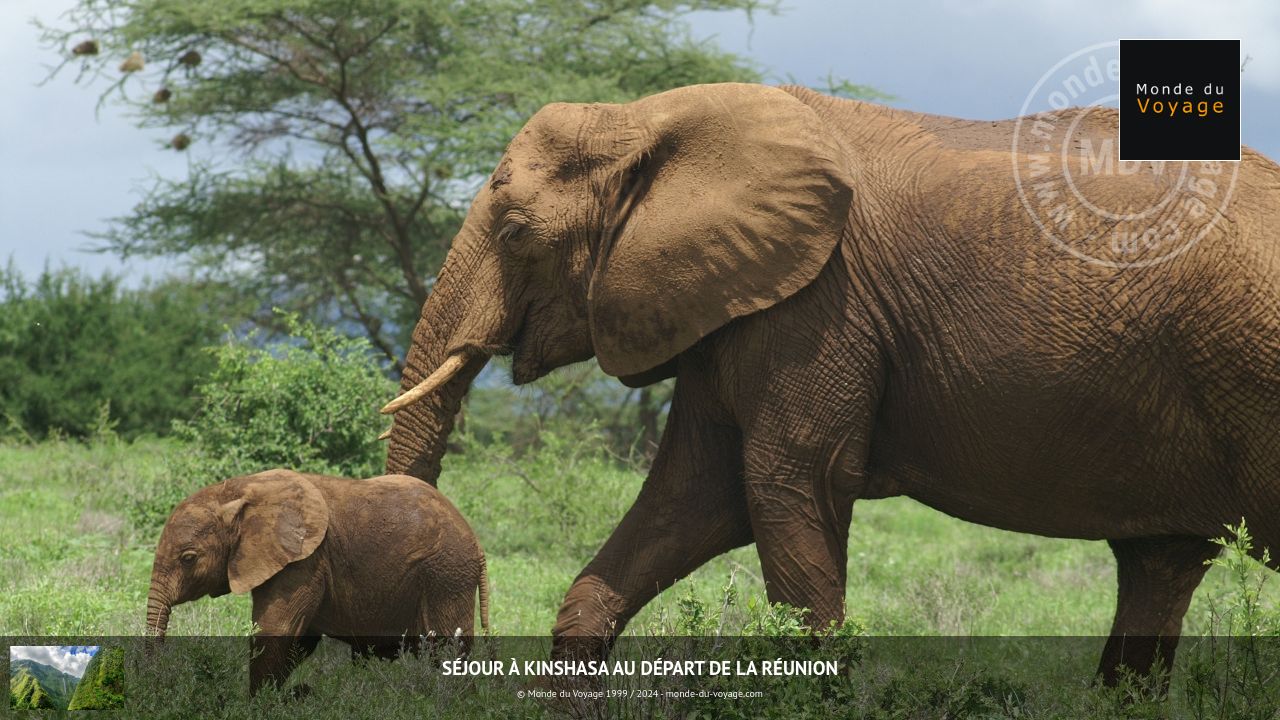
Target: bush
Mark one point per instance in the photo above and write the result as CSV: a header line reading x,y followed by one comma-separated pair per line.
x,y
1232,669
309,403
71,345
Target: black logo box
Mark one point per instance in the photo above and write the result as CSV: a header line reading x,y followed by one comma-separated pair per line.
x,y
1157,73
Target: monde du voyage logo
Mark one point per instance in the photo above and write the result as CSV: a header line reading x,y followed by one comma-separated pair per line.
x,y
1177,151
1180,100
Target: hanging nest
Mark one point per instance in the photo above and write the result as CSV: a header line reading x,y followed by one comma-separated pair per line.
x,y
181,141
190,58
88,47
162,96
133,63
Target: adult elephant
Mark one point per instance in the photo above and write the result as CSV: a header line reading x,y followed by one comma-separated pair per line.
x,y
855,304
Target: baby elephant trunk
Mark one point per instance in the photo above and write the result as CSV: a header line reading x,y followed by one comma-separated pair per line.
x,y
483,593
157,614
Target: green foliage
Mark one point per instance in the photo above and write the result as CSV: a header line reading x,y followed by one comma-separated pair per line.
x,y
74,347
102,685
362,126
195,677
53,680
780,620
1244,609
308,404
567,495
575,401
757,631
1234,669
25,693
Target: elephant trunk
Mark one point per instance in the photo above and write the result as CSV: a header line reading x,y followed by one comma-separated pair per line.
x,y
451,344
157,614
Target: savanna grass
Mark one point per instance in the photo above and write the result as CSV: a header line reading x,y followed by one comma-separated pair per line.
x,y
73,562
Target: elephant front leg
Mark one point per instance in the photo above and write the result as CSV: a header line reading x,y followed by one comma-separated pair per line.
x,y
283,608
690,509
276,656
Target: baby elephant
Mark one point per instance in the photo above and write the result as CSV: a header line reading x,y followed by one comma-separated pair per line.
x,y
366,561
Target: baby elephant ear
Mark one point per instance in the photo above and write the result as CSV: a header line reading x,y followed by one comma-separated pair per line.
x,y
276,517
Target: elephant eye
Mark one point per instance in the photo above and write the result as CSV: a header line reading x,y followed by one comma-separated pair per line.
x,y
188,557
509,233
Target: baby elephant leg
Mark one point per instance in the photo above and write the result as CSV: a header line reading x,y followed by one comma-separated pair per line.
x,y
275,657
282,609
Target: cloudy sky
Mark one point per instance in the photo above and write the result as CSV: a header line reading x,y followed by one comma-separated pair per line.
x,y
64,172
70,659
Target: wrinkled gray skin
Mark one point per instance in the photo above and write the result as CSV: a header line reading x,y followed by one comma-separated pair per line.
x,y
855,304
366,561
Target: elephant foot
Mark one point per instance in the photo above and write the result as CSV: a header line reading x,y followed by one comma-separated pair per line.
x,y
588,621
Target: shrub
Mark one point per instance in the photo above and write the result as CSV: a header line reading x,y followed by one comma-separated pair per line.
x,y
71,345
1232,669
309,403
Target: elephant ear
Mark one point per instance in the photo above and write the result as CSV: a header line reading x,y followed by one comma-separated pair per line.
x,y
276,517
733,201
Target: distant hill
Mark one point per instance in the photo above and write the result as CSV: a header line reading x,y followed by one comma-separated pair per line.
x,y
36,685
103,683
25,693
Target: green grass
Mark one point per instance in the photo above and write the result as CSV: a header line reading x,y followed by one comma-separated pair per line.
x,y
72,562
76,547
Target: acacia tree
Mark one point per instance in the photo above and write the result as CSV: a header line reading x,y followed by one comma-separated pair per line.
x,y
336,142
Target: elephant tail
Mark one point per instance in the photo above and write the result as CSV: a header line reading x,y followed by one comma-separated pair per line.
x,y
483,592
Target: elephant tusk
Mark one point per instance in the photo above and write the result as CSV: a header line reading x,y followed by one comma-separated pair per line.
x,y
386,433
447,370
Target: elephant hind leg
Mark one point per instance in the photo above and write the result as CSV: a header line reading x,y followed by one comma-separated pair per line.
x,y
1156,578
